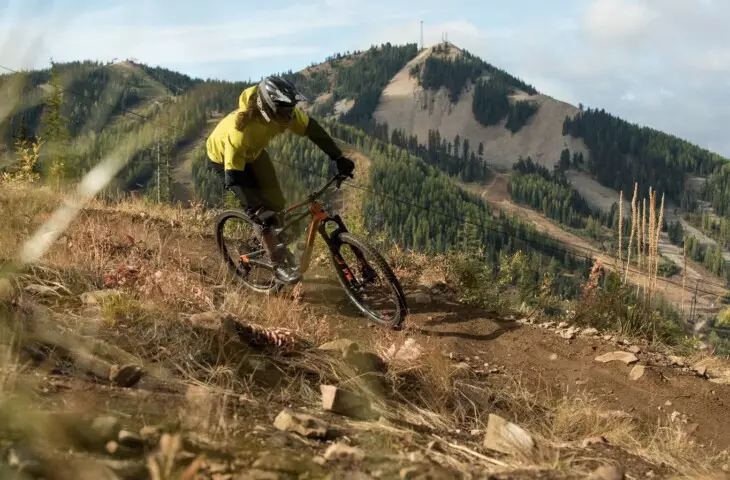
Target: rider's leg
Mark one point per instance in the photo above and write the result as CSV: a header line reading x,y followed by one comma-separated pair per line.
x,y
246,191
268,189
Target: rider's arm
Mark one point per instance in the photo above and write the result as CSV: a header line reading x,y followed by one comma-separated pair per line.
x,y
322,139
304,125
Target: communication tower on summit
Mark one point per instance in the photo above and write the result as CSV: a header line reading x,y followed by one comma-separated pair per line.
x,y
421,34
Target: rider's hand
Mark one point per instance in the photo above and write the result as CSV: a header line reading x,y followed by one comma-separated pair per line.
x,y
345,166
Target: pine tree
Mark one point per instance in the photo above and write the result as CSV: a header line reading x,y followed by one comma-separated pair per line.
x,y
55,128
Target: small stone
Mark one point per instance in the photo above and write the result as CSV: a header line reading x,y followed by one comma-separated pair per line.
x,y
97,296
619,356
364,362
23,459
421,298
506,437
208,320
303,424
106,428
608,337
594,441
570,333
42,290
668,403
608,472
149,433
676,360
634,349
410,351
637,372
129,439
344,402
340,345
700,370
553,356
589,332
112,447
125,376
340,451
563,325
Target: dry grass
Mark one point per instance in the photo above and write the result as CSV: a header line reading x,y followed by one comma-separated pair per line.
x,y
214,374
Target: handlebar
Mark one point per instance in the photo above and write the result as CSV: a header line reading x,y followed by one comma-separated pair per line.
x,y
338,178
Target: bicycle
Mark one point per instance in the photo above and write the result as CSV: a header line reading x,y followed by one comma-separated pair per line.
x,y
242,262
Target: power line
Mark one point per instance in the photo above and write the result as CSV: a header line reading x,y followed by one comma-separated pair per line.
x,y
484,227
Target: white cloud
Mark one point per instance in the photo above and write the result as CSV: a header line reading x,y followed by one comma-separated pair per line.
x,y
617,20
105,34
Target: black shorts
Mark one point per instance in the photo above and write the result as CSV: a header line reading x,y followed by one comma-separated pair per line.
x,y
258,183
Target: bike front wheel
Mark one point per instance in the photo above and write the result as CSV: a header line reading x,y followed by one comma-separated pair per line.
x,y
362,271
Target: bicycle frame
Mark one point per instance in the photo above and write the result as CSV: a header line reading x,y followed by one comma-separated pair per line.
x,y
319,219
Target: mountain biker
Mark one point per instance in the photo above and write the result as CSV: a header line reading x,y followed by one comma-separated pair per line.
x,y
237,152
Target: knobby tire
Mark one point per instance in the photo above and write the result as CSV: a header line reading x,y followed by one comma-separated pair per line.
x,y
375,259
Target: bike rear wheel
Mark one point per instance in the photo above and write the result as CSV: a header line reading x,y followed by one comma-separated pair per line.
x,y
242,250
366,260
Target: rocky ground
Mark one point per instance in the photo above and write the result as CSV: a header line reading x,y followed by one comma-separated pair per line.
x,y
127,353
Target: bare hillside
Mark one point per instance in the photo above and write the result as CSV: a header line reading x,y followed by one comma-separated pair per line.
x,y
401,106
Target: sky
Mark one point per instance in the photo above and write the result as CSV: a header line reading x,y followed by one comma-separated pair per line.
x,y
660,63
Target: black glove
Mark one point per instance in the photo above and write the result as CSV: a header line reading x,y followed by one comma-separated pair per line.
x,y
345,166
230,179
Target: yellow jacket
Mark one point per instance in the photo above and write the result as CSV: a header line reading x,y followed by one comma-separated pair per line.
x,y
234,148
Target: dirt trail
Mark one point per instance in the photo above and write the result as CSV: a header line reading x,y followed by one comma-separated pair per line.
x,y
182,186
523,351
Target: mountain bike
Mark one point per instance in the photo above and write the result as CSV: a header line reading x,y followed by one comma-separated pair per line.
x,y
248,253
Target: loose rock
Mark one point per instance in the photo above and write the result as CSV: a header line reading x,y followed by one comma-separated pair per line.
x,y
106,428
303,424
634,349
344,402
340,451
637,372
607,472
42,290
676,360
599,440
619,356
130,439
125,376
421,298
208,320
589,332
364,362
408,352
98,296
700,370
570,333
341,345
506,437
